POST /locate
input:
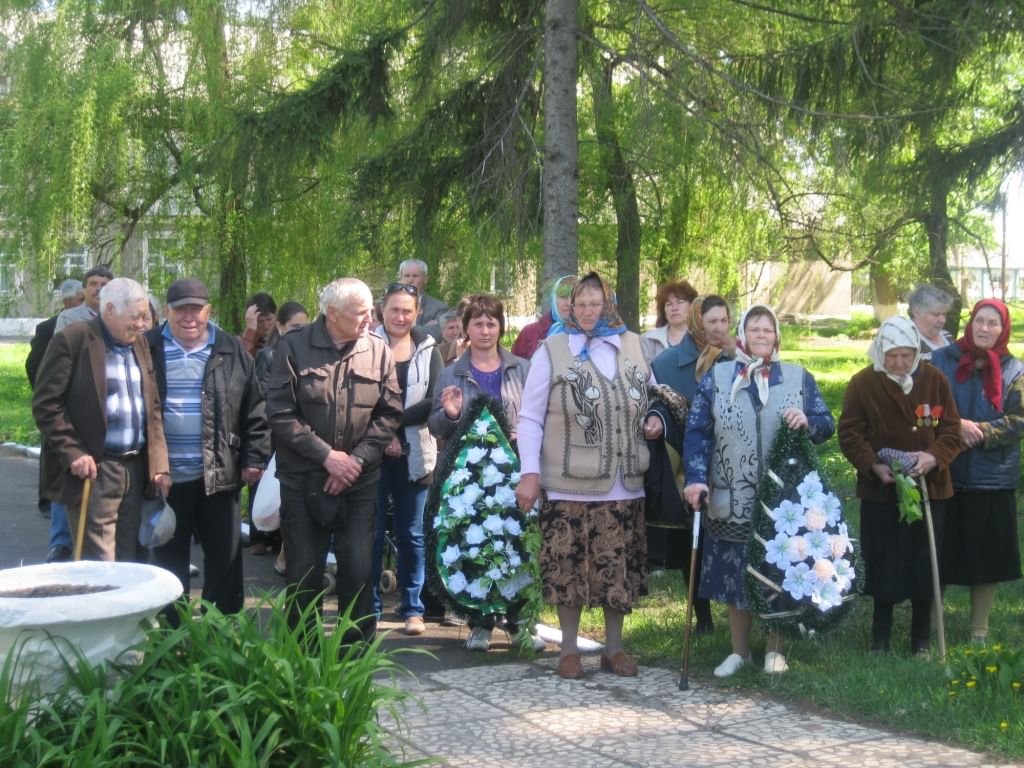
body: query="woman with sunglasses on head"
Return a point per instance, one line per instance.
(485, 368)
(409, 460)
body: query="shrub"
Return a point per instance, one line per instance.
(218, 690)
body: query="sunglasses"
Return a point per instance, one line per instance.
(394, 288)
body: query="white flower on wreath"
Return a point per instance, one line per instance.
(815, 519)
(788, 517)
(819, 544)
(475, 534)
(775, 551)
(477, 589)
(451, 555)
(494, 574)
(457, 508)
(508, 588)
(499, 456)
(514, 477)
(437, 522)
(800, 581)
(498, 545)
(840, 544)
(475, 455)
(474, 551)
(845, 573)
(833, 508)
(512, 527)
(515, 560)
(824, 569)
(812, 492)
(471, 494)
(457, 582)
(796, 549)
(459, 476)
(491, 476)
(505, 496)
(826, 595)
(480, 428)
(493, 524)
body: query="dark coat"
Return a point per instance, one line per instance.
(876, 414)
(236, 435)
(37, 347)
(70, 407)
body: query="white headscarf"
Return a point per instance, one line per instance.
(756, 369)
(894, 333)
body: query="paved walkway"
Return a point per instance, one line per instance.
(495, 709)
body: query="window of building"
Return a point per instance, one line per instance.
(160, 256)
(8, 274)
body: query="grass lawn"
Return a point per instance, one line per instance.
(832, 675)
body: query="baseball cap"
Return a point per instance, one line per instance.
(187, 291)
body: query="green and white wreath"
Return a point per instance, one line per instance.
(485, 543)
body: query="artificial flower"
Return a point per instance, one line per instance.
(814, 519)
(512, 527)
(494, 574)
(471, 494)
(844, 573)
(505, 496)
(491, 476)
(824, 569)
(477, 589)
(451, 555)
(826, 595)
(475, 534)
(776, 552)
(800, 581)
(833, 508)
(474, 552)
(788, 517)
(811, 490)
(481, 428)
(819, 544)
(499, 456)
(475, 454)
(508, 588)
(459, 476)
(840, 544)
(456, 582)
(493, 524)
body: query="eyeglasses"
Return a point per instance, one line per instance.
(394, 288)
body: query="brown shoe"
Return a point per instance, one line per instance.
(570, 667)
(619, 664)
(414, 625)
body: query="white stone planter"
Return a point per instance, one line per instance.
(101, 625)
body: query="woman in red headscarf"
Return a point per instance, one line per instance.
(980, 545)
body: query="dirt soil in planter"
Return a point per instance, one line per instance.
(57, 590)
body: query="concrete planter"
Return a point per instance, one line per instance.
(101, 625)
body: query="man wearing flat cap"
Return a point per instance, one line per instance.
(217, 439)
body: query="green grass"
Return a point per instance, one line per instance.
(16, 422)
(834, 675)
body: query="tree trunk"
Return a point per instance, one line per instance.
(936, 222)
(561, 141)
(231, 256)
(883, 292)
(619, 182)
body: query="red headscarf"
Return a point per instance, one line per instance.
(986, 361)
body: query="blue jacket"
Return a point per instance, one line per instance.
(981, 468)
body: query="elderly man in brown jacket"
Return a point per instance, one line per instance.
(97, 407)
(334, 404)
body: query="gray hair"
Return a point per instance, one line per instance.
(451, 314)
(69, 289)
(413, 263)
(122, 292)
(928, 298)
(155, 306)
(339, 293)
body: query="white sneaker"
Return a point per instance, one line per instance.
(479, 639)
(193, 570)
(775, 663)
(732, 662)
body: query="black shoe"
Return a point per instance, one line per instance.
(879, 645)
(58, 554)
(44, 508)
(704, 628)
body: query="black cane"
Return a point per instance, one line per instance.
(684, 676)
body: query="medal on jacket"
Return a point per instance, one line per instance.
(928, 415)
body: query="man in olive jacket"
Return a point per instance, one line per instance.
(97, 408)
(334, 404)
(215, 421)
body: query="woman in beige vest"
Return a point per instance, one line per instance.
(582, 438)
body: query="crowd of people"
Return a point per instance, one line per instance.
(139, 399)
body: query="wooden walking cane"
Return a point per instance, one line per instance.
(80, 535)
(933, 553)
(684, 675)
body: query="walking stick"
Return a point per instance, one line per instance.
(933, 553)
(80, 535)
(684, 676)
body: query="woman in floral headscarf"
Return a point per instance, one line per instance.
(981, 546)
(582, 438)
(732, 423)
(901, 403)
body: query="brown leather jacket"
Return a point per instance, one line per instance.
(70, 407)
(319, 399)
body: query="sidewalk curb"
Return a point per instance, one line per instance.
(17, 450)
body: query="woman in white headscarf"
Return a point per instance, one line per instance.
(732, 423)
(902, 403)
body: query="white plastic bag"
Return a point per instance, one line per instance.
(266, 507)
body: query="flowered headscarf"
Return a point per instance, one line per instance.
(986, 361)
(562, 288)
(894, 333)
(608, 324)
(695, 327)
(755, 369)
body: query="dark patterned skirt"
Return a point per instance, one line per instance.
(594, 553)
(722, 571)
(980, 545)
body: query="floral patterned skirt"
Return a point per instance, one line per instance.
(594, 553)
(722, 571)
